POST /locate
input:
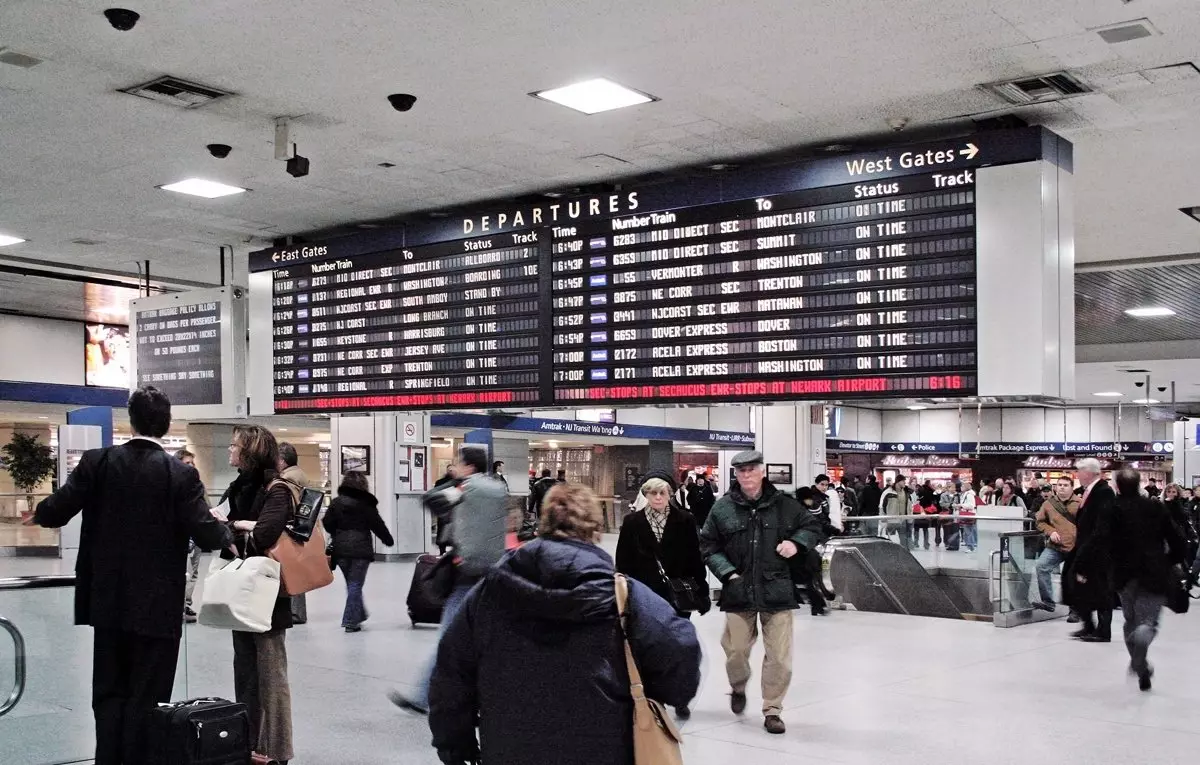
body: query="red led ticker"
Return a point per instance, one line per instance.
(409, 400)
(771, 388)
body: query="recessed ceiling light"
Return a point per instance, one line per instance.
(1146, 401)
(916, 407)
(594, 96)
(1109, 394)
(1149, 312)
(198, 187)
(6, 240)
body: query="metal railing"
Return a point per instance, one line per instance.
(19, 655)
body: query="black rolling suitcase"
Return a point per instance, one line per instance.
(427, 594)
(207, 731)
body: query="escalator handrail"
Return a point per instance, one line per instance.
(37, 582)
(18, 690)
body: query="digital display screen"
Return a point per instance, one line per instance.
(106, 356)
(863, 290)
(179, 352)
(447, 325)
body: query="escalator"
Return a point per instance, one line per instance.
(877, 575)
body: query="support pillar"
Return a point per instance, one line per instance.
(792, 434)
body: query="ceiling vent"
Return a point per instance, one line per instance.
(1040, 89)
(176, 92)
(1126, 31)
(13, 58)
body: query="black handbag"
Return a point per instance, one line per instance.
(1178, 598)
(686, 594)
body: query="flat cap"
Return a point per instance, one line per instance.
(749, 457)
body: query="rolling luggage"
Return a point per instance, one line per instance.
(208, 731)
(427, 594)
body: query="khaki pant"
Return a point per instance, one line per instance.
(741, 633)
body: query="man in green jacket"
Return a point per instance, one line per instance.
(747, 540)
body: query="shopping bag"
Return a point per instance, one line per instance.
(240, 594)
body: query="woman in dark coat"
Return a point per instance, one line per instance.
(350, 521)
(1146, 544)
(535, 658)
(661, 541)
(260, 505)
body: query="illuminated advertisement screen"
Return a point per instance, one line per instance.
(106, 356)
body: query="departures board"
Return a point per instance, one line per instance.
(854, 291)
(448, 325)
(840, 278)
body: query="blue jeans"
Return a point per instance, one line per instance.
(355, 572)
(970, 536)
(453, 603)
(1047, 563)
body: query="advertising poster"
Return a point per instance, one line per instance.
(106, 356)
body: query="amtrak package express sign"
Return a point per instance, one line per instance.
(845, 277)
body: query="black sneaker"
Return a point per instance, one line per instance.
(1144, 679)
(189, 616)
(737, 702)
(774, 724)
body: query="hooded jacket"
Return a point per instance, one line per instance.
(351, 520)
(536, 654)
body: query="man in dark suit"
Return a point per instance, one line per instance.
(1091, 591)
(140, 507)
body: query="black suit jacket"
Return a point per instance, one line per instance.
(679, 551)
(1146, 543)
(1093, 551)
(140, 506)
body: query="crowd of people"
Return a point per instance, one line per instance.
(518, 614)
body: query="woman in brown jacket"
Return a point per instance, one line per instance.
(1056, 519)
(260, 506)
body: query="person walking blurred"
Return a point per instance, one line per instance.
(534, 658)
(1146, 544)
(352, 518)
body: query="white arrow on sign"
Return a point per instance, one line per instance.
(970, 151)
(275, 257)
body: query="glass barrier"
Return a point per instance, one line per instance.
(947, 542)
(13, 508)
(52, 722)
(1014, 580)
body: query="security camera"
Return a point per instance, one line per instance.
(1162, 389)
(297, 166)
(898, 123)
(1138, 384)
(402, 102)
(238, 293)
(122, 19)
(219, 150)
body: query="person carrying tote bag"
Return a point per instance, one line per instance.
(655, 738)
(240, 594)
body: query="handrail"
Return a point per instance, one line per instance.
(18, 690)
(925, 516)
(857, 553)
(37, 582)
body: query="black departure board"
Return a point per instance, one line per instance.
(179, 352)
(454, 324)
(864, 290)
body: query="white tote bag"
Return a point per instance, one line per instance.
(240, 594)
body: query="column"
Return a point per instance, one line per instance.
(210, 444)
(792, 434)
(662, 457)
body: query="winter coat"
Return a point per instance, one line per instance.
(740, 537)
(868, 498)
(701, 499)
(535, 658)
(639, 553)
(249, 500)
(1050, 520)
(1093, 551)
(140, 506)
(351, 519)
(1146, 543)
(537, 493)
(893, 502)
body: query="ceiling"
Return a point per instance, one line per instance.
(735, 80)
(1101, 298)
(60, 298)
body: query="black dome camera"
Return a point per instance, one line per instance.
(1138, 384)
(1162, 389)
(122, 19)
(219, 150)
(402, 102)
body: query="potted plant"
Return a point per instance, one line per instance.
(29, 463)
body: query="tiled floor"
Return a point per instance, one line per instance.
(868, 688)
